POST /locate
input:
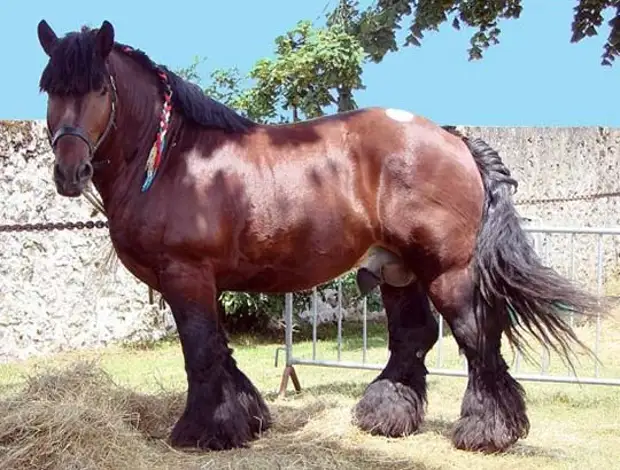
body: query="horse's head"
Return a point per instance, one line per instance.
(81, 101)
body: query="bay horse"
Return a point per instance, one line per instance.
(201, 200)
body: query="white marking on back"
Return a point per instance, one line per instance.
(399, 115)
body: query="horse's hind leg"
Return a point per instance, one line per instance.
(393, 404)
(493, 411)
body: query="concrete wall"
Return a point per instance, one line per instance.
(563, 163)
(56, 293)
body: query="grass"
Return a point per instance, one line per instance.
(130, 396)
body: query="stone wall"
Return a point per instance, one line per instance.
(57, 291)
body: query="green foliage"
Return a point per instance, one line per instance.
(376, 27)
(191, 71)
(312, 69)
(261, 306)
(588, 16)
(252, 303)
(309, 68)
(351, 294)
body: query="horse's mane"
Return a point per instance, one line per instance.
(74, 68)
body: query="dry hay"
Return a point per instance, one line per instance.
(79, 418)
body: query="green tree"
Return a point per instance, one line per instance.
(228, 86)
(376, 26)
(310, 69)
(191, 71)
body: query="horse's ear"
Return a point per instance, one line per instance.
(105, 39)
(47, 37)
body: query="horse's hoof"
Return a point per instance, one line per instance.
(390, 409)
(493, 416)
(189, 434)
(225, 425)
(474, 435)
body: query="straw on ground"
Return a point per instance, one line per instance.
(113, 409)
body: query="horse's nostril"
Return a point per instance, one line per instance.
(86, 171)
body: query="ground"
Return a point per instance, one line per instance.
(125, 416)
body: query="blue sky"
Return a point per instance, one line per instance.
(534, 77)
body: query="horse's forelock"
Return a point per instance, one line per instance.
(73, 68)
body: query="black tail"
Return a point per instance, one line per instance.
(510, 278)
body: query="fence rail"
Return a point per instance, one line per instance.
(568, 257)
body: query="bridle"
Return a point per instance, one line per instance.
(78, 132)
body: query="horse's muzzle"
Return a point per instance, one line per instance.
(71, 180)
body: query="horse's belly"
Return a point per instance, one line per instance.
(276, 280)
(316, 268)
(378, 265)
(290, 271)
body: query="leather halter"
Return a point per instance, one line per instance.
(67, 130)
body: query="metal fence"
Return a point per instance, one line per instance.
(587, 255)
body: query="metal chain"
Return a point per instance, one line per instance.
(92, 224)
(585, 197)
(48, 226)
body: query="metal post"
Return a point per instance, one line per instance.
(364, 329)
(289, 370)
(599, 288)
(315, 312)
(339, 318)
(440, 341)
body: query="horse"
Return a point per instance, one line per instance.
(202, 200)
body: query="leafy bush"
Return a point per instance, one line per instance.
(247, 312)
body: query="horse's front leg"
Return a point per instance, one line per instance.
(223, 410)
